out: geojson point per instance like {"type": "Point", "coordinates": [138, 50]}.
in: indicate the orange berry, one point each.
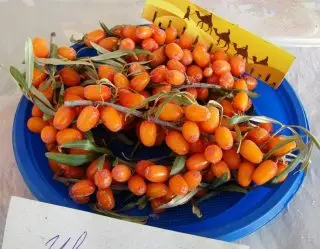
{"type": "Point", "coordinates": [240, 101]}
{"type": "Point", "coordinates": [106, 72]}
{"type": "Point", "coordinates": [185, 41]}
{"type": "Point", "coordinates": [130, 99]}
{"type": "Point", "coordinates": [63, 117]}
{"type": "Point", "coordinates": [40, 47]}
{"type": "Point", "coordinates": [71, 171]}
{"type": "Point", "coordinates": [193, 92]}
{"type": "Point", "coordinates": [200, 56]}
{"type": "Point", "coordinates": [224, 122]}
{"type": "Point", "coordinates": [148, 133]}
{"type": "Point", "coordinates": [258, 135]}
{"type": "Point", "coordinates": [187, 57]}
{"type": "Point", "coordinates": [142, 165]}
{"type": "Point", "coordinates": [140, 81]}
{"type": "Point", "coordinates": [127, 43]}
{"type": "Point", "coordinates": [82, 188]}
{"type": "Point", "coordinates": [121, 81]}
{"type": "Point", "coordinates": [267, 126]}
{"type": "Point", "coordinates": [158, 74]}
{"type": "Point", "coordinates": [94, 36]}
{"type": "Point", "coordinates": [197, 161]}
{"type": "Point", "coordinates": [149, 44]}
{"type": "Point", "coordinates": [68, 135]}
{"type": "Point", "coordinates": [108, 43]}
{"type": "Point", "coordinates": [193, 178]}
{"type": "Point", "coordinates": [129, 31]}
{"type": "Point", "coordinates": [69, 76]}
{"type": "Point", "coordinates": [48, 134]}
{"type": "Point", "coordinates": [198, 146]}
{"type": "Point", "coordinates": [36, 112]}
{"type": "Point", "coordinates": [169, 196]}
{"type": "Point", "coordinates": [176, 142]}
{"type": "Point", "coordinates": [156, 190]}
{"type": "Point", "coordinates": [197, 113]}
{"type": "Point", "coordinates": [105, 199]}
{"type": "Point", "coordinates": [88, 118]}
{"type": "Point", "coordinates": [81, 200]}
{"type": "Point", "coordinates": [112, 118]}
{"type": "Point", "coordinates": [265, 172]}
{"type": "Point", "coordinates": [173, 51]}
{"type": "Point", "coordinates": [171, 34]}
{"type": "Point", "coordinates": [93, 168]}
{"type": "Point", "coordinates": [143, 32]}
{"type": "Point", "coordinates": [159, 36]}
{"type": "Point", "coordinates": [47, 92]}
{"type": "Point", "coordinates": [176, 65]}
{"type": "Point", "coordinates": [212, 123]}
{"type": "Point", "coordinates": [137, 185]}
{"type": "Point", "coordinates": [213, 153]}
{"type": "Point", "coordinates": [219, 55]}
{"type": "Point", "coordinates": [156, 173]}
{"type": "Point", "coordinates": [175, 77]}
{"type": "Point", "coordinates": [223, 138]}
{"type": "Point", "coordinates": [38, 77]}
{"type": "Point", "coordinates": [220, 168]}
{"type": "Point", "coordinates": [251, 82]}
{"type": "Point", "coordinates": [220, 67]}
{"type": "Point", "coordinates": [76, 90]}
{"type": "Point", "coordinates": [103, 178]}
{"type": "Point", "coordinates": [208, 71]}
{"type": "Point", "coordinates": [284, 149]}
{"type": "Point", "coordinates": [79, 152]}
{"type": "Point", "coordinates": [190, 131]}
{"type": "Point", "coordinates": [240, 85]}
{"type": "Point", "coordinates": [121, 173]}
{"type": "Point", "coordinates": [226, 80]}
{"type": "Point", "coordinates": [97, 92]}
{"type": "Point", "coordinates": [245, 172]}
{"type": "Point", "coordinates": [163, 88]}
{"type": "Point", "coordinates": [238, 65]}
{"type": "Point", "coordinates": [36, 124]}
{"type": "Point", "coordinates": [250, 151]}
{"type": "Point", "coordinates": [171, 112]}
{"type": "Point", "coordinates": [66, 52]}
{"type": "Point", "coordinates": [158, 57]}
{"type": "Point", "coordinates": [195, 72]}
{"type": "Point", "coordinates": [156, 203]}
{"type": "Point", "coordinates": [227, 107]}
{"type": "Point", "coordinates": [203, 93]}
{"type": "Point", "coordinates": [178, 185]}
{"type": "Point", "coordinates": [232, 158]}
{"type": "Point", "coordinates": [281, 167]}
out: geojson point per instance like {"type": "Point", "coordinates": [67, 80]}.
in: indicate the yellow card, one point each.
{"type": "Point", "coordinates": [264, 60]}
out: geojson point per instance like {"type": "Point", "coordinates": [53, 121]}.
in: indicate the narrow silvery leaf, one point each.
{"type": "Point", "coordinates": [29, 61]}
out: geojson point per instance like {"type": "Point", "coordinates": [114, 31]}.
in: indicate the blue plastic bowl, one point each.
{"type": "Point", "coordinates": [229, 216]}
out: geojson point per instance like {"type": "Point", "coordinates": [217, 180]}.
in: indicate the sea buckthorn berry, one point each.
{"type": "Point", "coordinates": [207, 71]}
{"type": "Point", "coordinates": [108, 43]}
{"type": "Point", "coordinates": [171, 34]}
{"type": "Point", "coordinates": [281, 167]}
{"type": "Point", "coordinates": [137, 185]}
{"type": "Point", "coordinates": [76, 90]}
{"type": "Point", "coordinates": [88, 118]}
{"type": "Point", "coordinates": [190, 131]}
{"type": "Point", "coordinates": [93, 168]}
{"type": "Point", "coordinates": [69, 76]}
{"type": "Point", "coordinates": [121, 173]}
{"type": "Point", "coordinates": [178, 185]}
{"type": "Point", "coordinates": [36, 124]}
{"type": "Point", "coordinates": [163, 88]}
{"type": "Point", "coordinates": [94, 36]}
{"type": "Point", "coordinates": [106, 72]}
{"type": "Point", "coordinates": [201, 57]}
{"type": "Point", "coordinates": [265, 172]}
{"type": "Point", "coordinates": [118, 29]}
{"type": "Point", "coordinates": [258, 135]}
{"type": "Point", "coordinates": [232, 158]}
{"type": "Point", "coordinates": [38, 77]}
{"type": "Point", "coordinates": [149, 44]}
{"type": "Point", "coordinates": [173, 51]}
{"type": "Point", "coordinates": [220, 67]}
{"type": "Point", "coordinates": [223, 138]}
{"type": "Point", "coordinates": [143, 32]}
{"type": "Point", "coordinates": [219, 55]}
{"type": "Point", "coordinates": [97, 92]}
{"type": "Point", "coordinates": [213, 153]}
{"type": "Point", "coordinates": [245, 172]}
{"type": "Point", "coordinates": [111, 118]}
{"type": "Point", "coordinates": [156, 203]}
{"type": "Point", "coordinates": [156, 190]}
{"type": "Point", "coordinates": [156, 173]}
{"type": "Point", "coordinates": [193, 92]}
{"type": "Point", "coordinates": [220, 168]}
{"type": "Point", "coordinates": [158, 57]}
{"type": "Point", "coordinates": [193, 178]}
{"type": "Point", "coordinates": [74, 151]}
{"type": "Point", "coordinates": [284, 149]}
{"type": "Point", "coordinates": [71, 171]}
{"type": "Point", "coordinates": [225, 121]}
{"type": "Point", "coordinates": [120, 80]}
{"type": "Point", "coordinates": [251, 82]}
{"type": "Point", "coordinates": [240, 101]}
{"type": "Point", "coordinates": [227, 107]}
{"type": "Point", "coordinates": [238, 65]}
{"type": "Point", "coordinates": [66, 52]}
{"type": "Point", "coordinates": [203, 93]}
{"type": "Point", "coordinates": [130, 99]}
{"type": "Point", "coordinates": [161, 136]}
{"type": "Point", "coordinates": [176, 142]}
{"type": "Point", "coordinates": [136, 68]}
{"type": "Point", "coordinates": [201, 45]}
{"type": "Point", "coordinates": [176, 65]}
{"type": "Point", "coordinates": [63, 117]}
{"type": "Point", "coordinates": [159, 36]}
{"type": "Point", "coordinates": [197, 113]}
{"type": "Point", "coordinates": [103, 178]}
{"type": "Point", "coordinates": [240, 85]}
{"type": "Point", "coordinates": [48, 134]}
{"type": "Point", "coordinates": [51, 147]}
{"type": "Point", "coordinates": [226, 80]}
{"type": "Point", "coordinates": [105, 199]}
{"type": "Point", "coordinates": [82, 188]}
{"type": "Point", "coordinates": [40, 47]}
{"type": "Point", "coordinates": [140, 81]}
{"type": "Point", "coordinates": [158, 74]}
{"type": "Point", "coordinates": [36, 112]}
{"type": "Point", "coordinates": [213, 79]}
{"type": "Point", "coordinates": [68, 135]}
{"type": "Point", "coordinates": [185, 41]}
{"type": "Point", "coordinates": [127, 43]}
{"type": "Point", "coordinates": [175, 77]}
{"type": "Point", "coordinates": [199, 146]}
{"type": "Point", "coordinates": [142, 165]}
{"type": "Point", "coordinates": [267, 126]}
{"type": "Point", "coordinates": [81, 200]}
{"type": "Point", "coordinates": [148, 133]}
{"type": "Point", "coordinates": [169, 196]}
{"type": "Point", "coordinates": [250, 151]}
{"type": "Point", "coordinates": [129, 31]}
{"type": "Point", "coordinates": [171, 112]}
{"type": "Point", "coordinates": [195, 72]}
{"type": "Point", "coordinates": [197, 161]}
{"type": "Point", "coordinates": [187, 57]}
{"type": "Point", "coordinates": [212, 123]}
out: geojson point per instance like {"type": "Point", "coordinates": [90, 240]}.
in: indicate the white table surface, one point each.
{"type": "Point", "coordinates": [295, 228]}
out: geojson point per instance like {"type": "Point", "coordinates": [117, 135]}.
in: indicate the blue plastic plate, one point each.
{"type": "Point", "coordinates": [229, 216]}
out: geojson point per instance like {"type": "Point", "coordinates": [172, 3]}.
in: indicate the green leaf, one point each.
{"type": "Point", "coordinates": [219, 181]}
{"type": "Point", "coordinates": [179, 200]}
{"type": "Point", "coordinates": [48, 111]}
{"type": "Point", "coordinates": [108, 31]}
{"type": "Point", "coordinates": [141, 51]}
{"type": "Point", "coordinates": [124, 139]}
{"type": "Point", "coordinates": [53, 51]}
{"type": "Point", "coordinates": [90, 137]}
{"type": "Point", "coordinates": [40, 96]}
{"type": "Point", "coordinates": [111, 55]}
{"type": "Point", "coordinates": [86, 145]}
{"type": "Point", "coordinates": [99, 48]}
{"type": "Point", "coordinates": [278, 146]}
{"type": "Point", "coordinates": [207, 196]}
{"type": "Point", "coordinates": [249, 93]}
{"type": "Point", "coordinates": [196, 210]}
{"type": "Point", "coordinates": [115, 161]}
{"type": "Point", "coordinates": [61, 95]}
{"type": "Point", "coordinates": [57, 62]}
{"type": "Point", "coordinates": [233, 188]}
{"type": "Point", "coordinates": [142, 202]}
{"type": "Point", "coordinates": [100, 161]}
{"type": "Point", "coordinates": [18, 77]}
{"type": "Point", "coordinates": [178, 165]}
{"type": "Point", "coordinates": [313, 138]}
{"type": "Point", "coordinates": [45, 85]}
{"type": "Point", "coordinates": [127, 207]}
{"type": "Point", "coordinates": [306, 162]}
{"type": "Point", "coordinates": [29, 61]}
{"type": "Point", "coordinates": [69, 159]}
{"type": "Point", "coordinates": [237, 119]}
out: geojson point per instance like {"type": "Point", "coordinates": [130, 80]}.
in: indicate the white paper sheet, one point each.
{"type": "Point", "coordinates": [32, 225]}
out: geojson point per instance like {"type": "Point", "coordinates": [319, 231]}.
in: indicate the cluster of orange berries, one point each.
{"type": "Point", "coordinates": [205, 137]}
